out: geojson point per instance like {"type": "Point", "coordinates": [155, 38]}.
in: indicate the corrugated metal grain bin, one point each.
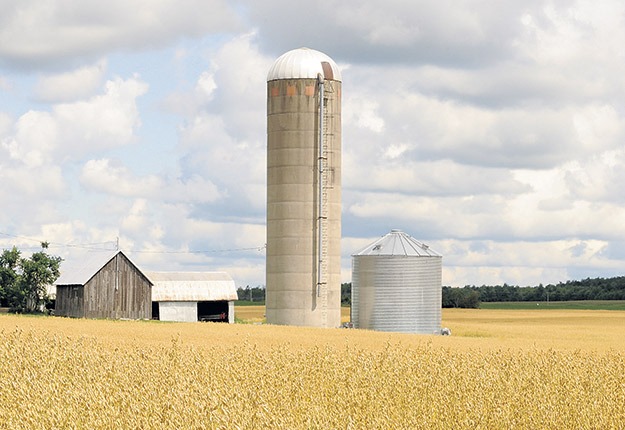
{"type": "Point", "coordinates": [396, 286]}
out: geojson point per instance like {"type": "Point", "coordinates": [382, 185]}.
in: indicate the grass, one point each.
{"type": "Point", "coordinates": [249, 303]}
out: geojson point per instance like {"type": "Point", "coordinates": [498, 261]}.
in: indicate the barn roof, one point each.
{"type": "Point", "coordinates": [191, 286]}
{"type": "Point", "coordinates": [80, 271]}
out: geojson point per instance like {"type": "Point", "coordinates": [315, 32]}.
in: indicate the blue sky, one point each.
{"type": "Point", "coordinates": [493, 133]}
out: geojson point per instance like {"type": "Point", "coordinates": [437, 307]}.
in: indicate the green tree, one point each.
{"type": "Point", "coordinates": [24, 280]}
{"type": "Point", "coordinates": [9, 261]}
{"type": "Point", "coordinates": [346, 294]}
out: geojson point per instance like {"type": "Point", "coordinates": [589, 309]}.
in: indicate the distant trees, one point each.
{"type": "Point", "coordinates": [471, 296]}
{"type": "Point", "coordinates": [460, 298]}
{"type": "Point", "coordinates": [346, 294]}
{"type": "Point", "coordinates": [254, 294]}
{"type": "Point", "coordinates": [23, 281]}
{"type": "Point", "coordinates": [585, 289]}
{"type": "Point", "coordinates": [257, 294]}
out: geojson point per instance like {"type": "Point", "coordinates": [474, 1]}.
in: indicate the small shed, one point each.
{"type": "Point", "coordinates": [103, 285]}
{"type": "Point", "coordinates": [193, 296]}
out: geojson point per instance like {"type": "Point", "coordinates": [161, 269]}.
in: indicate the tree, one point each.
{"type": "Point", "coordinates": [9, 261]}
{"type": "Point", "coordinates": [346, 294]}
{"type": "Point", "coordinates": [24, 280]}
{"type": "Point", "coordinates": [467, 297]}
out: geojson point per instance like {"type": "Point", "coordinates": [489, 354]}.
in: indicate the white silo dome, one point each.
{"type": "Point", "coordinates": [397, 286]}
{"type": "Point", "coordinates": [304, 63]}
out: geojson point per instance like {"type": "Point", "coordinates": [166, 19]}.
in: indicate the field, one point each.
{"type": "Point", "coordinates": [607, 305]}
{"type": "Point", "coordinates": [500, 369]}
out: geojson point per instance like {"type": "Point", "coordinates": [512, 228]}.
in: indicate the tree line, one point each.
{"type": "Point", "coordinates": [585, 289]}
{"type": "Point", "coordinates": [257, 294]}
{"type": "Point", "coordinates": [470, 296]}
{"type": "Point", "coordinates": [24, 281]}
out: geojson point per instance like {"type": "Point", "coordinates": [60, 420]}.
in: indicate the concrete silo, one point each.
{"type": "Point", "coordinates": [303, 190]}
{"type": "Point", "coordinates": [396, 286]}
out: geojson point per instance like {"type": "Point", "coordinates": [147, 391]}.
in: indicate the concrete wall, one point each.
{"type": "Point", "coordinates": [293, 201]}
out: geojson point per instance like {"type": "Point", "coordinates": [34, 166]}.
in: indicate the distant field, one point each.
{"type": "Point", "coordinates": [614, 305]}
{"type": "Point", "coordinates": [553, 369]}
{"type": "Point", "coordinates": [253, 314]}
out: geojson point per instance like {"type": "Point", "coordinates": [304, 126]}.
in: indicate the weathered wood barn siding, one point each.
{"type": "Point", "coordinates": [69, 301]}
{"type": "Point", "coordinates": [116, 289]}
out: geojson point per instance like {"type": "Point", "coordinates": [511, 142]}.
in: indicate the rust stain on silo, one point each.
{"type": "Point", "coordinates": [327, 70]}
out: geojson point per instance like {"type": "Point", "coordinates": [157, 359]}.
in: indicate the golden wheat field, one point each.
{"type": "Point", "coordinates": [499, 369]}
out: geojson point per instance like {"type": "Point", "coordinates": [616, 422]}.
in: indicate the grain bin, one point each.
{"type": "Point", "coordinates": [303, 190]}
{"type": "Point", "coordinates": [396, 286]}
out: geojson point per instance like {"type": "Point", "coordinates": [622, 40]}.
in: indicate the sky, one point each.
{"type": "Point", "coordinates": [494, 132]}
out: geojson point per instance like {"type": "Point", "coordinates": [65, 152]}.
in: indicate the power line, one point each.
{"type": "Point", "coordinates": [93, 246]}
{"type": "Point", "coordinates": [114, 245]}
{"type": "Point", "coordinates": [256, 248]}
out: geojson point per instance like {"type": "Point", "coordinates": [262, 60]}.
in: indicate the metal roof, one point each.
{"type": "Point", "coordinates": [80, 271]}
{"type": "Point", "coordinates": [303, 63]}
{"type": "Point", "coordinates": [398, 243]}
{"type": "Point", "coordinates": [191, 286]}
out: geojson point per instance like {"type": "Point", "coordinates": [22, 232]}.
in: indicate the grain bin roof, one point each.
{"type": "Point", "coordinates": [304, 63]}
{"type": "Point", "coordinates": [398, 243]}
{"type": "Point", "coordinates": [192, 286]}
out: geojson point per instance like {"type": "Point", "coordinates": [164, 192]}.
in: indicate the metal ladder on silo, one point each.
{"type": "Point", "coordinates": [322, 216]}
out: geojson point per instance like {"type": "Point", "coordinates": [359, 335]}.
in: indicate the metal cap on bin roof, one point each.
{"type": "Point", "coordinates": [398, 243]}
{"type": "Point", "coordinates": [304, 63]}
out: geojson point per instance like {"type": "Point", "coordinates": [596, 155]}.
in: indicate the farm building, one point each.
{"type": "Point", "coordinates": [193, 296]}
{"type": "Point", "coordinates": [104, 285]}
{"type": "Point", "coordinates": [396, 286]}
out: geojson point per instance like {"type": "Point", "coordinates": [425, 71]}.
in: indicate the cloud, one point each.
{"type": "Point", "coordinates": [430, 128]}
{"type": "Point", "coordinates": [111, 177]}
{"type": "Point", "coordinates": [53, 33]}
{"type": "Point", "coordinates": [391, 173]}
{"type": "Point", "coordinates": [397, 31]}
{"type": "Point", "coordinates": [492, 132]}
{"type": "Point", "coordinates": [71, 130]}
{"type": "Point", "coordinates": [5, 84]}
{"type": "Point", "coordinates": [224, 138]}
{"type": "Point", "coordinates": [70, 86]}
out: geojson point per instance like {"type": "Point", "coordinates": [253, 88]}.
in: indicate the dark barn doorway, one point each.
{"type": "Point", "coordinates": [212, 311]}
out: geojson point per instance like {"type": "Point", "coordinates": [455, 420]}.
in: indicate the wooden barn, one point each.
{"type": "Point", "coordinates": [104, 285]}
{"type": "Point", "coordinates": [193, 296]}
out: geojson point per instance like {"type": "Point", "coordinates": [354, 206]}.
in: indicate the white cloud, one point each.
{"type": "Point", "coordinates": [104, 121]}
{"type": "Point", "coordinates": [71, 130]}
{"type": "Point", "coordinates": [36, 34]}
{"type": "Point", "coordinates": [6, 123]}
{"type": "Point", "coordinates": [112, 178]}
{"type": "Point", "coordinates": [399, 31]}
{"type": "Point", "coordinates": [35, 137]}
{"type": "Point", "coordinates": [493, 132]}
{"type": "Point", "coordinates": [436, 178]}
{"type": "Point", "coordinates": [71, 86]}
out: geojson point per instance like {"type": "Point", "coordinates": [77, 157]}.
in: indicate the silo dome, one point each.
{"type": "Point", "coordinates": [397, 286]}
{"type": "Point", "coordinates": [304, 63]}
